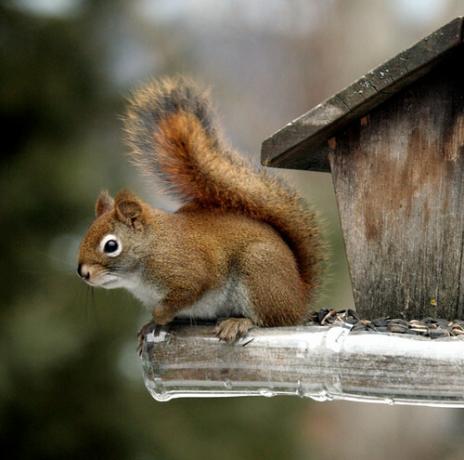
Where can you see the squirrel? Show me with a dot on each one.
(243, 246)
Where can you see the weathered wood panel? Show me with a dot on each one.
(302, 143)
(317, 362)
(399, 181)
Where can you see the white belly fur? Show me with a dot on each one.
(228, 300)
(148, 294)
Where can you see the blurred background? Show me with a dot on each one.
(70, 381)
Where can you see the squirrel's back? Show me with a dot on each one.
(172, 134)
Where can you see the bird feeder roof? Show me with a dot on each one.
(304, 143)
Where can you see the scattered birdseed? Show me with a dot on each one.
(432, 328)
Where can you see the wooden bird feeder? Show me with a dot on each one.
(394, 143)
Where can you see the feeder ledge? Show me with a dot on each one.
(321, 363)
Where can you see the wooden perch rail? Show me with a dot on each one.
(322, 363)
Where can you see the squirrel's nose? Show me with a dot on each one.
(83, 271)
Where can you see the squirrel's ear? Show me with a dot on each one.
(104, 203)
(128, 209)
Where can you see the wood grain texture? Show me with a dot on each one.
(302, 144)
(317, 362)
(399, 181)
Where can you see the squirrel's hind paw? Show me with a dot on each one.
(232, 329)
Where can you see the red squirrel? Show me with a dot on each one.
(243, 245)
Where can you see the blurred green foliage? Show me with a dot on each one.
(70, 382)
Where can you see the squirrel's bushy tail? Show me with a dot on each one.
(171, 132)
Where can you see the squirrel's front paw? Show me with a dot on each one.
(232, 329)
(143, 331)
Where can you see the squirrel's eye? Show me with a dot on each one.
(111, 245)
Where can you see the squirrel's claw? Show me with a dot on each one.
(232, 329)
(143, 331)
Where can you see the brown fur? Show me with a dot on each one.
(235, 221)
